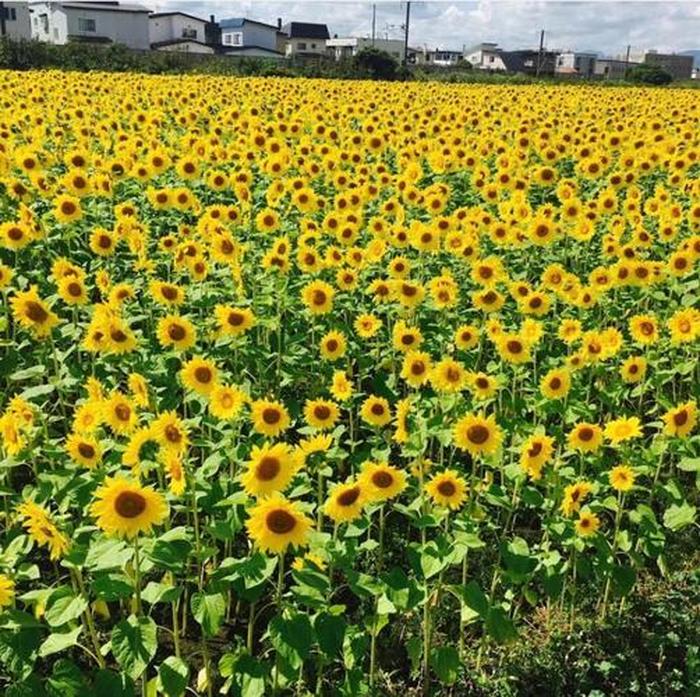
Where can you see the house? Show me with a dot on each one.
(679, 67)
(14, 20)
(178, 31)
(248, 37)
(343, 48)
(442, 58)
(612, 68)
(90, 22)
(485, 56)
(576, 63)
(532, 61)
(305, 39)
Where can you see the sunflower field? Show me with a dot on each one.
(320, 387)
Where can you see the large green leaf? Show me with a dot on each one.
(134, 644)
(57, 642)
(209, 610)
(173, 675)
(677, 517)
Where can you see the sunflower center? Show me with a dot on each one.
(226, 400)
(481, 383)
(555, 383)
(490, 297)
(203, 374)
(235, 319)
(271, 416)
(585, 434)
(68, 208)
(280, 522)
(123, 412)
(130, 504)
(681, 418)
(377, 409)
(349, 496)
(647, 328)
(176, 332)
(478, 434)
(117, 335)
(684, 326)
(86, 450)
(319, 297)
(418, 368)
(382, 479)
(15, 234)
(408, 291)
(322, 412)
(226, 247)
(169, 293)
(36, 312)
(535, 450)
(268, 468)
(514, 346)
(447, 488)
(173, 434)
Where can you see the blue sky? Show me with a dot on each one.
(600, 25)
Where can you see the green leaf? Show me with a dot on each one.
(209, 610)
(500, 626)
(59, 642)
(111, 587)
(476, 599)
(134, 644)
(292, 637)
(171, 549)
(624, 578)
(251, 676)
(445, 662)
(108, 683)
(66, 680)
(108, 554)
(689, 464)
(64, 607)
(678, 517)
(160, 593)
(173, 675)
(330, 632)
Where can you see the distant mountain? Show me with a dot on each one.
(695, 53)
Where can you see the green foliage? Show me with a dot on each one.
(373, 63)
(649, 74)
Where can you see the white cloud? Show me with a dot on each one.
(600, 25)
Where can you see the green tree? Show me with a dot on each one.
(374, 64)
(649, 74)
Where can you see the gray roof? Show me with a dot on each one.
(105, 6)
(306, 30)
(238, 22)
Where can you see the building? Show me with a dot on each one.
(612, 68)
(248, 37)
(14, 20)
(679, 67)
(343, 48)
(90, 22)
(532, 61)
(576, 63)
(485, 56)
(305, 39)
(441, 58)
(178, 31)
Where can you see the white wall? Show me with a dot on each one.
(18, 28)
(186, 47)
(317, 46)
(172, 26)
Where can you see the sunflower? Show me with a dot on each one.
(570, 331)
(233, 321)
(269, 418)
(585, 437)
(103, 242)
(170, 432)
(681, 420)
(134, 450)
(67, 209)
(270, 468)
(587, 524)
(176, 332)
(84, 450)
(138, 390)
(37, 521)
(119, 414)
(124, 508)
(367, 325)
(621, 478)
(88, 417)
(341, 386)
(466, 336)
(31, 312)
(167, 294)
(447, 489)
(556, 383)
(644, 329)
(448, 375)
(623, 429)
(226, 402)
(513, 349)
(574, 495)
(345, 502)
(634, 369)
(416, 368)
(119, 337)
(381, 482)
(276, 523)
(6, 275)
(477, 434)
(175, 471)
(536, 451)
(318, 297)
(482, 386)
(488, 300)
(7, 591)
(199, 375)
(321, 413)
(376, 411)
(333, 345)
(684, 326)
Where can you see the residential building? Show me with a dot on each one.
(576, 63)
(442, 58)
(305, 39)
(612, 68)
(248, 37)
(679, 67)
(14, 20)
(485, 56)
(90, 22)
(178, 31)
(346, 47)
(532, 61)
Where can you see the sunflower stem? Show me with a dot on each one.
(89, 621)
(278, 600)
(608, 580)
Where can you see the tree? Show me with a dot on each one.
(375, 64)
(649, 74)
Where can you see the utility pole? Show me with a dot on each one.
(405, 36)
(374, 22)
(3, 29)
(627, 57)
(539, 53)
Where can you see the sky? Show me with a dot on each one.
(598, 25)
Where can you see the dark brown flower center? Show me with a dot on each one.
(176, 332)
(681, 418)
(36, 312)
(280, 522)
(271, 416)
(86, 450)
(203, 374)
(382, 479)
(478, 434)
(130, 504)
(322, 412)
(123, 412)
(377, 409)
(349, 496)
(169, 293)
(447, 488)
(268, 468)
(585, 434)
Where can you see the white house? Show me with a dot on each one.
(576, 63)
(91, 22)
(346, 47)
(14, 20)
(305, 39)
(178, 31)
(485, 56)
(248, 37)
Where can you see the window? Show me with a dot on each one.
(189, 33)
(86, 24)
(237, 38)
(44, 19)
(492, 59)
(313, 45)
(10, 13)
(301, 46)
